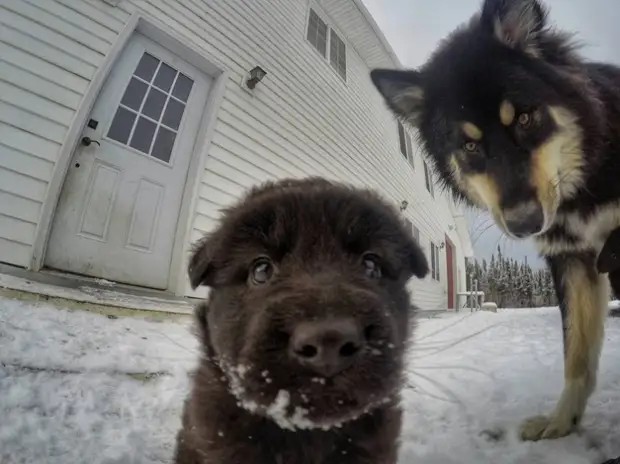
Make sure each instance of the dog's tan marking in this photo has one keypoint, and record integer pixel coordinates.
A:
(472, 131)
(570, 159)
(506, 113)
(586, 295)
(544, 175)
(455, 168)
(557, 164)
(586, 298)
(483, 190)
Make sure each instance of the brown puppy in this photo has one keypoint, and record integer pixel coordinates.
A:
(305, 329)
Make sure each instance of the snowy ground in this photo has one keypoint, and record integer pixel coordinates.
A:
(67, 394)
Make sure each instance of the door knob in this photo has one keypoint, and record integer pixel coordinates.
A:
(87, 141)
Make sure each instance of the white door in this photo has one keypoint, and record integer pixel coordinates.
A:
(119, 207)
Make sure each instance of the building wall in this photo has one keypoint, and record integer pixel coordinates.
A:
(303, 119)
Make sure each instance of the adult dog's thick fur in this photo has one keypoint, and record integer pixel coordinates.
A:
(305, 329)
(516, 122)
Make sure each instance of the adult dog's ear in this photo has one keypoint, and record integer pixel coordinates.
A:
(402, 90)
(516, 23)
(201, 267)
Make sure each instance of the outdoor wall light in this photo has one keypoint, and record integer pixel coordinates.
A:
(256, 75)
(403, 205)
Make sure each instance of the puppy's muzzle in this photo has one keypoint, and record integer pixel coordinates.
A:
(525, 219)
(327, 347)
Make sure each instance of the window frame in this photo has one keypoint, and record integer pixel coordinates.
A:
(428, 179)
(415, 232)
(435, 275)
(433, 264)
(319, 18)
(404, 143)
(312, 8)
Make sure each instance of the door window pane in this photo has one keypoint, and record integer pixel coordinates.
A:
(146, 67)
(154, 104)
(149, 114)
(143, 135)
(182, 87)
(165, 77)
(174, 113)
(134, 94)
(162, 149)
(122, 125)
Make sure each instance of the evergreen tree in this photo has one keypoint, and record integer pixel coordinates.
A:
(511, 283)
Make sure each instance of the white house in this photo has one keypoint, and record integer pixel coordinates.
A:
(125, 125)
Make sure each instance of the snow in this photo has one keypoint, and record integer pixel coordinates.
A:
(75, 388)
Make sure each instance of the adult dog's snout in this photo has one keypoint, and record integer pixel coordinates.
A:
(524, 219)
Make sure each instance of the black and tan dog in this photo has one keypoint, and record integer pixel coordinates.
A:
(305, 330)
(516, 122)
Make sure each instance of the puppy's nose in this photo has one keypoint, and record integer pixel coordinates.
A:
(327, 347)
(524, 219)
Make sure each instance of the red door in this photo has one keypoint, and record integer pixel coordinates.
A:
(450, 272)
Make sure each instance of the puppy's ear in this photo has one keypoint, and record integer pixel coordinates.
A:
(418, 264)
(516, 23)
(201, 267)
(403, 92)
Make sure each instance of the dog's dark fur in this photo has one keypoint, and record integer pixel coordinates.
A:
(316, 235)
(516, 122)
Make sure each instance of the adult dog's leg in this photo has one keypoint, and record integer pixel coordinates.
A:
(583, 296)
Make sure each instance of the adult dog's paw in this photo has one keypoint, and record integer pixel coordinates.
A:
(546, 427)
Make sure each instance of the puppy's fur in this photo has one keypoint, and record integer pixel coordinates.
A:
(290, 252)
(516, 122)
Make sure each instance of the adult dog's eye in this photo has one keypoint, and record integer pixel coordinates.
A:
(470, 146)
(262, 271)
(524, 120)
(371, 266)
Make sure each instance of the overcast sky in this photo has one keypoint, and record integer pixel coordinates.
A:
(413, 28)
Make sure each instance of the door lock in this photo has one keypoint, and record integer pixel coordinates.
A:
(87, 141)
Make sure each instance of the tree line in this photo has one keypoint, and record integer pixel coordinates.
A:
(511, 283)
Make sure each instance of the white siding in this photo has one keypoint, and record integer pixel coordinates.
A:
(49, 51)
(304, 119)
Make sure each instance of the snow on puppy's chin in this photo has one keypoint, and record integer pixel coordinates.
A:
(282, 408)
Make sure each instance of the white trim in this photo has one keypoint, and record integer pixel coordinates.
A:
(177, 44)
(189, 201)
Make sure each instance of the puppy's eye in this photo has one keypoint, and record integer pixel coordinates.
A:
(262, 271)
(524, 120)
(470, 146)
(371, 266)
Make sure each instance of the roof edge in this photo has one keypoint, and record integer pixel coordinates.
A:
(375, 27)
